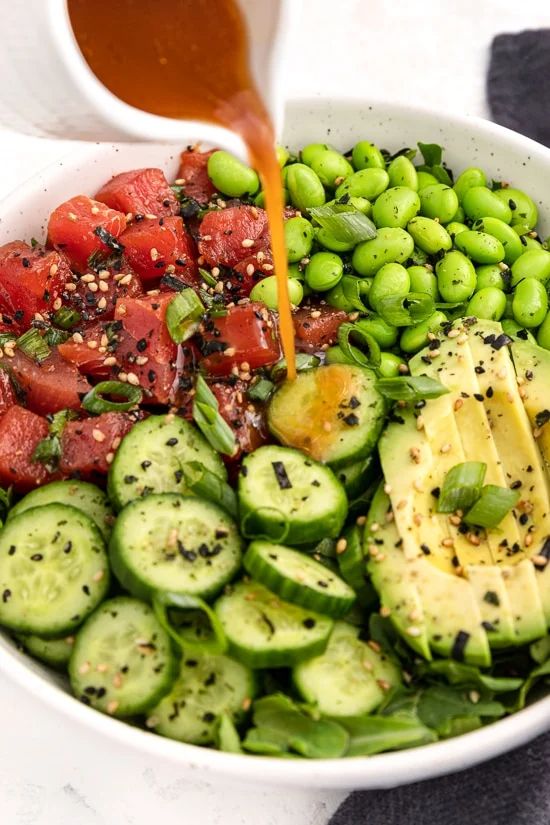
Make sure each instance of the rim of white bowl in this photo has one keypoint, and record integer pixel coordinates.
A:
(379, 771)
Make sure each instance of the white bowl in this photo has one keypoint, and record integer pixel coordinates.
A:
(467, 141)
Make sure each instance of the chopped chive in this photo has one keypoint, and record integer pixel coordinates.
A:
(461, 487)
(344, 222)
(66, 318)
(261, 391)
(410, 388)
(404, 311)
(364, 351)
(209, 421)
(183, 315)
(206, 484)
(492, 506)
(33, 345)
(96, 403)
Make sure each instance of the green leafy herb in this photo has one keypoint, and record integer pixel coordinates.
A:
(48, 450)
(209, 421)
(375, 734)
(410, 388)
(206, 484)
(207, 277)
(177, 613)
(461, 486)
(457, 673)
(364, 351)
(344, 223)
(95, 401)
(33, 345)
(433, 162)
(227, 735)
(183, 315)
(404, 311)
(492, 506)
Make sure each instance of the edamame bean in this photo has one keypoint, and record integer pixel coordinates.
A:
(460, 215)
(231, 176)
(439, 201)
(530, 303)
(362, 204)
(283, 155)
(543, 334)
(415, 337)
(423, 280)
(266, 292)
(468, 178)
(296, 271)
(366, 155)
(403, 173)
(332, 167)
(425, 179)
(389, 246)
(489, 275)
(304, 187)
(324, 271)
(367, 183)
(535, 263)
(505, 234)
(383, 333)
(391, 279)
(395, 207)
(312, 150)
(529, 243)
(523, 207)
(389, 365)
(299, 236)
(488, 303)
(515, 330)
(454, 228)
(328, 241)
(480, 246)
(480, 202)
(456, 277)
(429, 235)
(337, 297)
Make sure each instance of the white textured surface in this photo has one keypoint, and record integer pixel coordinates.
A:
(53, 773)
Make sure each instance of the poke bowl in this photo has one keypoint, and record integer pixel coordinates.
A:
(452, 602)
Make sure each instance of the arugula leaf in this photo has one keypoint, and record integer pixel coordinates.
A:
(536, 674)
(375, 734)
(431, 152)
(227, 736)
(438, 705)
(457, 673)
(540, 650)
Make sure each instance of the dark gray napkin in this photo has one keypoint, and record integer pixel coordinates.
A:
(513, 789)
(518, 83)
(510, 790)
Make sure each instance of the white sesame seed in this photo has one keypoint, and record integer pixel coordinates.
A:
(57, 304)
(133, 379)
(102, 303)
(53, 269)
(92, 344)
(247, 243)
(88, 278)
(109, 458)
(141, 360)
(413, 631)
(98, 576)
(84, 668)
(126, 279)
(110, 361)
(104, 275)
(97, 435)
(154, 254)
(112, 707)
(93, 287)
(70, 287)
(77, 338)
(341, 546)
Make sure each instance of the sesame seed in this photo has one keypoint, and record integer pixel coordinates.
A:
(539, 561)
(415, 454)
(413, 631)
(92, 344)
(385, 612)
(316, 313)
(93, 287)
(473, 539)
(88, 278)
(104, 275)
(102, 667)
(375, 527)
(448, 542)
(229, 352)
(374, 646)
(154, 254)
(403, 369)
(455, 520)
(102, 303)
(53, 269)
(250, 269)
(152, 721)
(116, 442)
(474, 696)
(70, 287)
(417, 484)
(528, 540)
(361, 520)
(268, 267)
(417, 518)
(103, 286)
(97, 435)
(95, 210)
(72, 217)
(462, 338)
(368, 665)
(373, 550)
(420, 422)
(341, 546)
(387, 489)
(150, 216)
(445, 448)
(141, 360)
(98, 576)
(246, 703)
(133, 379)
(126, 279)
(112, 707)
(458, 404)
(122, 376)
(84, 668)
(401, 504)
(109, 458)
(110, 361)
(117, 680)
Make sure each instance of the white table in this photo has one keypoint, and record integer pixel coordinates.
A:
(434, 53)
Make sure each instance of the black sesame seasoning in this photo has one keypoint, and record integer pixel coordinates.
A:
(459, 645)
(37, 557)
(281, 475)
(172, 442)
(6, 595)
(351, 420)
(309, 623)
(491, 598)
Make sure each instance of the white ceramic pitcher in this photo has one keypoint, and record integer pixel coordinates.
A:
(48, 89)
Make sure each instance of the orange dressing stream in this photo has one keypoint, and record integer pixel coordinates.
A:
(189, 59)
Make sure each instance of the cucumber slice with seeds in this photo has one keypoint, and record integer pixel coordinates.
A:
(53, 570)
(263, 631)
(349, 679)
(54, 652)
(208, 689)
(285, 496)
(333, 413)
(298, 578)
(80, 494)
(149, 459)
(122, 662)
(174, 543)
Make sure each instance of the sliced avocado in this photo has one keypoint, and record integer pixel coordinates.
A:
(493, 601)
(532, 365)
(389, 572)
(527, 613)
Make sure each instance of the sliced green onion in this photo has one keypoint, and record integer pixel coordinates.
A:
(404, 311)
(206, 484)
(366, 353)
(183, 315)
(95, 402)
(66, 318)
(207, 277)
(461, 487)
(33, 345)
(303, 362)
(53, 336)
(5, 338)
(209, 421)
(410, 388)
(493, 504)
(344, 223)
(198, 628)
(353, 291)
(261, 391)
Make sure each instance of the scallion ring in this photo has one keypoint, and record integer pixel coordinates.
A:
(96, 403)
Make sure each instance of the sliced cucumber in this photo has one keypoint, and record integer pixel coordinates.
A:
(298, 578)
(209, 688)
(357, 476)
(333, 413)
(122, 662)
(53, 570)
(54, 652)
(349, 679)
(150, 457)
(80, 494)
(285, 496)
(351, 563)
(174, 543)
(264, 631)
